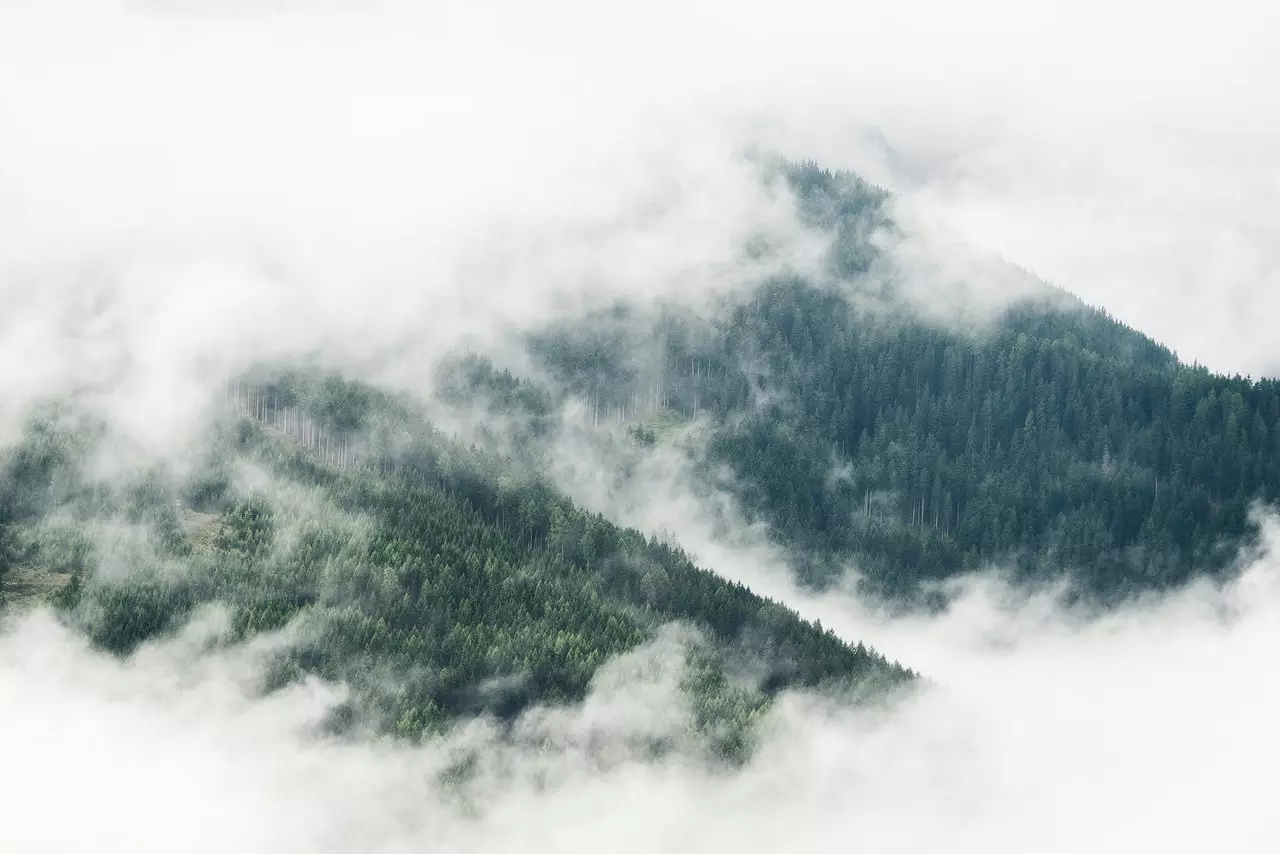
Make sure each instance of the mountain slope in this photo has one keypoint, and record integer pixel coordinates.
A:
(865, 431)
(428, 576)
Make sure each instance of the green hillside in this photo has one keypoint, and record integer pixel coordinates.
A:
(1052, 439)
(443, 581)
(432, 578)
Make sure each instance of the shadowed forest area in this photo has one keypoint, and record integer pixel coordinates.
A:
(1052, 439)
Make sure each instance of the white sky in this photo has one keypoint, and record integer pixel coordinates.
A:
(338, 165)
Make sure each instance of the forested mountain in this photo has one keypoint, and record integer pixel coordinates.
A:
(442, 580)
(434, 579)
(1051, 438)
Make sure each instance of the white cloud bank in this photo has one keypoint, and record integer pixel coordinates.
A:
(185, 187)
(1150, 729)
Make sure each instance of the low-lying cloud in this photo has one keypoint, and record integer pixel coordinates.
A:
(186, 188)
(182, 194)
(1151, 727)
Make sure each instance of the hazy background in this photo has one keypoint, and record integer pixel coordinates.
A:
(187, 187)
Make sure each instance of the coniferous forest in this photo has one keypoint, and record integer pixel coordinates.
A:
(437, 570)
(1049, 440)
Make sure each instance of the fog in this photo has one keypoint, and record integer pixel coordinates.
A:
(187, 188)
(1151, 728)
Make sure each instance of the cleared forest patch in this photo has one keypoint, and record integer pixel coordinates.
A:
(23, 587)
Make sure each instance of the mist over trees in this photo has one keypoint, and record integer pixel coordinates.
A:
(442, 580)
(1052, 439)
(433, 578)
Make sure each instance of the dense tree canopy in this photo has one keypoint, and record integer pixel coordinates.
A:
(439, 583)
(1052, 438)
(441, 580)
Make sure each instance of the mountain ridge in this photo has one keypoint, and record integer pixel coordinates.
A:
(1052, 437)
(443, 580)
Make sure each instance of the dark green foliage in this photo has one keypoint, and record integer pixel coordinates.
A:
(38, 474)
(1053, 439)
(842, 203)
(343, 406)
(124, 613)
(1058, 436)
(471, 377)
(450, 587)
(35, 475)
(248, 528)
(7, 544)
(207, 491)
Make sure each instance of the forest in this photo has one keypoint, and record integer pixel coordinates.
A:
(444, 578)
(1053, 441)
(434, 580)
